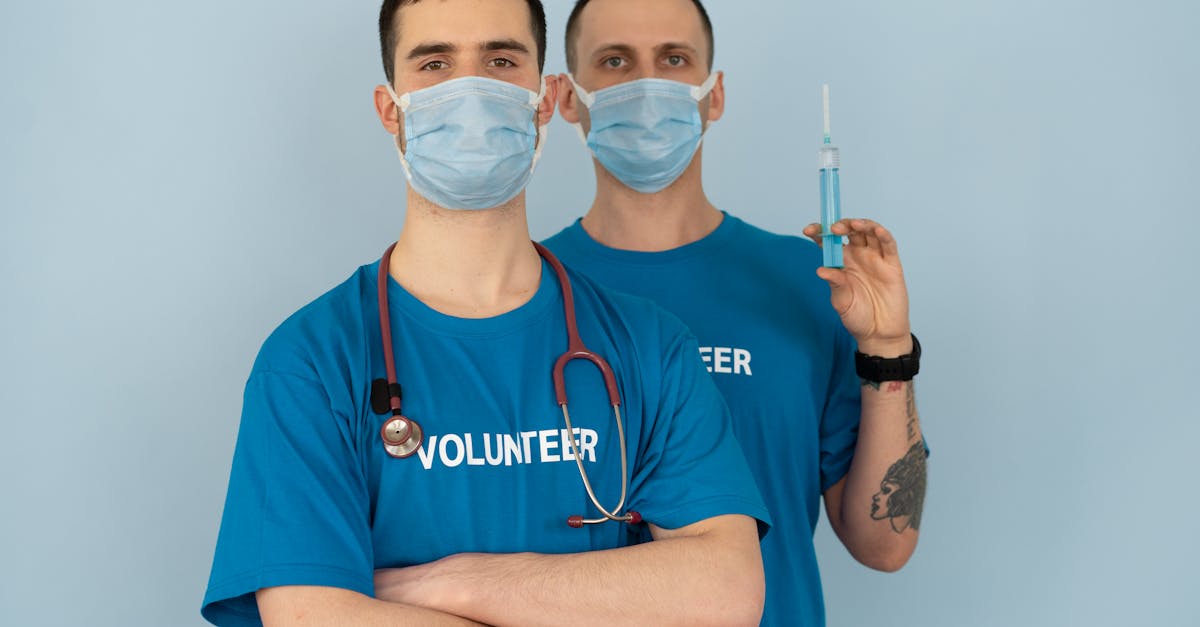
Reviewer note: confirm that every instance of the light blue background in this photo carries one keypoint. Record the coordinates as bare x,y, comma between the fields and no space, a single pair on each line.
177,177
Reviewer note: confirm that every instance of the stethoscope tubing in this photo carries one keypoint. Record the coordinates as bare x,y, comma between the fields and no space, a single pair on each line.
402,436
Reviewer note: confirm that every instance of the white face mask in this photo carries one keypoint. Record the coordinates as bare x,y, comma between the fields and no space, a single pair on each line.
471,142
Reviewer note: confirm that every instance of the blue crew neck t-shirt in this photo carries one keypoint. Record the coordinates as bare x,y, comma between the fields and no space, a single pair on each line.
781,357
314,499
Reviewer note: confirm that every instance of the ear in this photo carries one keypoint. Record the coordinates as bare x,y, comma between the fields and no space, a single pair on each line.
716,99
568,102
545,111
389,113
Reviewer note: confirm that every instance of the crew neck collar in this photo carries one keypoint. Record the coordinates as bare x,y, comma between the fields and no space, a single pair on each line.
704,246
404,304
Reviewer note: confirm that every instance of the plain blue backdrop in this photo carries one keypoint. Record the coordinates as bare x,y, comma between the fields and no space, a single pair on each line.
178,177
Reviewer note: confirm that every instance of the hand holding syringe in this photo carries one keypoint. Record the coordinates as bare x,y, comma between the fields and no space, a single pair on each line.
867,287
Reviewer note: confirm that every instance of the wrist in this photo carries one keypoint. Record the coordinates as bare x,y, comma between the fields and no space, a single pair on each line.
887,348
443,583
876,368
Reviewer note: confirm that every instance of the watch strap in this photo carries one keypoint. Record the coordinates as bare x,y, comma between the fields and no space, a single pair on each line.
880,369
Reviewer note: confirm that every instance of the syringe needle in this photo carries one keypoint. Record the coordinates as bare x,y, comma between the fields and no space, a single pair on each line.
825,99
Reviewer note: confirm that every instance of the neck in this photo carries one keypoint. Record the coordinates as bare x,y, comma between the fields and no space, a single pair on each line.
468,264
678,215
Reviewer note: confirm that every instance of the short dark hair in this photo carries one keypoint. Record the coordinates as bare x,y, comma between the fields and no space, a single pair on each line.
389,32
573,31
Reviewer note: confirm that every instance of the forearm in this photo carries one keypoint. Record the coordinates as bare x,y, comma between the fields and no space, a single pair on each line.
708,579
334,607
883,494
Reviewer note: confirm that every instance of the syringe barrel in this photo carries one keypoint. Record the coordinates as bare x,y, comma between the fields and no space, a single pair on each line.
829,157
831,205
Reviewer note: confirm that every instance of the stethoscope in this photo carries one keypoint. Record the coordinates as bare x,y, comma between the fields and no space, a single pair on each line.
402,436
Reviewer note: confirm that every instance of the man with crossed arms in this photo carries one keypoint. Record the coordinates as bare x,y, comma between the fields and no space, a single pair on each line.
322,526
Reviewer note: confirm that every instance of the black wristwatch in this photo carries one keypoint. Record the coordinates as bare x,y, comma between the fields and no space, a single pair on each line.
880,369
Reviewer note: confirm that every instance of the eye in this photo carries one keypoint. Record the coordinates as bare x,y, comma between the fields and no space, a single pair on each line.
887,489
614,62
676,60
502,62
434,66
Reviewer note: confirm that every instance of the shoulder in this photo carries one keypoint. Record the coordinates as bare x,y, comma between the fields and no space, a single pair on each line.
562,237
750,240
318,331
570,244
615,307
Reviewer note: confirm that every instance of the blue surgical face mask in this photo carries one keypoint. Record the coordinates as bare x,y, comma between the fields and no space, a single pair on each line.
645,132
471,142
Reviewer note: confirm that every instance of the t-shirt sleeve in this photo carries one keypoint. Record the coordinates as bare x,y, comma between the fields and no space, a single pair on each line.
296,512
843,408
692,467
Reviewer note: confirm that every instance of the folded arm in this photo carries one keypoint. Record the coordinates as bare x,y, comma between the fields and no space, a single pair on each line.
333,607
707,573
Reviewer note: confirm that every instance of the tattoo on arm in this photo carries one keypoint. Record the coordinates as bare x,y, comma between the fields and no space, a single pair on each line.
901,496
911,406
910,400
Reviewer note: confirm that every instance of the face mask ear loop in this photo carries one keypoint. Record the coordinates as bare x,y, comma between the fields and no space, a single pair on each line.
543,130
701,90
536,99
543,133
401,103
587,99
579,131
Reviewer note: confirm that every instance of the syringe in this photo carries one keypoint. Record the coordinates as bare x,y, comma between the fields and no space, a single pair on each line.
831,194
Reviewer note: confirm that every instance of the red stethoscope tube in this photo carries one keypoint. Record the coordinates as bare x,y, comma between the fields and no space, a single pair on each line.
402,436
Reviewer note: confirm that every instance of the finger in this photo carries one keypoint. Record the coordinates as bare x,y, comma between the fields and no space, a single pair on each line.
858,238
813,232
887,242
867,229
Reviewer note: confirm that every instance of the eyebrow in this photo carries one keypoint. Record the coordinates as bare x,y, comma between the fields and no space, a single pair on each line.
627,49
674,45
505,44
428,48
442,47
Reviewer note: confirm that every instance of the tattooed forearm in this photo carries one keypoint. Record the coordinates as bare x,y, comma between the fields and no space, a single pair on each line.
911,405
901,496
910,401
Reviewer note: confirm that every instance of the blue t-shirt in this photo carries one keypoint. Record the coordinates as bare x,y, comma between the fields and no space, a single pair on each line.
314,499
783,360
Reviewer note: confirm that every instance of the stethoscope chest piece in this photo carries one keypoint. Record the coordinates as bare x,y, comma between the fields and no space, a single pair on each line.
401,437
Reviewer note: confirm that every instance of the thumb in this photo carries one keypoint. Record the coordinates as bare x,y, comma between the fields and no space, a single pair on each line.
835,277
841,294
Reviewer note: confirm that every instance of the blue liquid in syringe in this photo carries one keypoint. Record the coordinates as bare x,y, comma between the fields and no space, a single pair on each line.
831,207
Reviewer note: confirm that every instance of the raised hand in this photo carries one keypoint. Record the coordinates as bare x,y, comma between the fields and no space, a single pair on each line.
869,292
